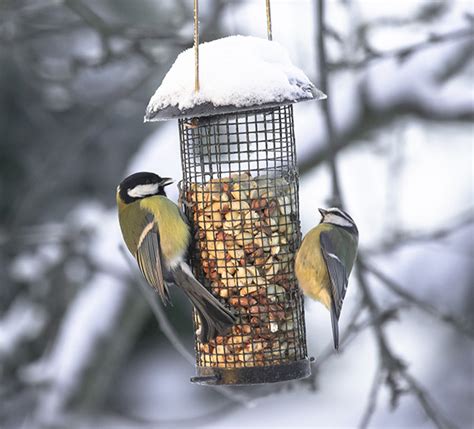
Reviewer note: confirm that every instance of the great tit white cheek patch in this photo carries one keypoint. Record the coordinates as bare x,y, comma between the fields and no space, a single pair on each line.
141,191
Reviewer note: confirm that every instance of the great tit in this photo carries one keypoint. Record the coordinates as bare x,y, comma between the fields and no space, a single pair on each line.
325,259
158,236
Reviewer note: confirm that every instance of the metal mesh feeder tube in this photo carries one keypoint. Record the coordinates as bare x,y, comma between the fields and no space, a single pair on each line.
240,186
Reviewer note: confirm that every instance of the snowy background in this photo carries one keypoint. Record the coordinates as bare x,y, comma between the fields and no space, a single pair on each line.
79,345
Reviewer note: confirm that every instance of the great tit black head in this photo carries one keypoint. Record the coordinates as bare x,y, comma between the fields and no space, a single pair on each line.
142,185
339,217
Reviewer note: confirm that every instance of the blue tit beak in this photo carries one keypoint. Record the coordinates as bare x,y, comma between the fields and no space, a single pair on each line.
323,212
165,181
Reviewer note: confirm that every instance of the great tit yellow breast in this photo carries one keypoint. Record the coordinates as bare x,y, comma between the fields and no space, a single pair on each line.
173,230
311,269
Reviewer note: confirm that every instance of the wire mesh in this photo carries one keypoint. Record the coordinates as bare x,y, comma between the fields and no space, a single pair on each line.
240,188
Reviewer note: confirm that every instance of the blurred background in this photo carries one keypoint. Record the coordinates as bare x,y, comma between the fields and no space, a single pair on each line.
79,343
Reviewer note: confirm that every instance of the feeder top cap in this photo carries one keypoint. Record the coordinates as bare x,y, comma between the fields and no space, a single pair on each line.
236,73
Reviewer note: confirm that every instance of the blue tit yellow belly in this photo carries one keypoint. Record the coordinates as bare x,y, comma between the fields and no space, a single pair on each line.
311,270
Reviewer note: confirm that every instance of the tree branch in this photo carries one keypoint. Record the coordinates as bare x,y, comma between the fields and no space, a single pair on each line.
372,399
461,326
394,368
403,238
323,83
402,54
372,119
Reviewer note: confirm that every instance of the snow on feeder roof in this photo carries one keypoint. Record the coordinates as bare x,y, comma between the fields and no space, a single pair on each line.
237,73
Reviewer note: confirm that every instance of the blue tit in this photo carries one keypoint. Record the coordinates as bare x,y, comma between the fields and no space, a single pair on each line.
158,236
325,260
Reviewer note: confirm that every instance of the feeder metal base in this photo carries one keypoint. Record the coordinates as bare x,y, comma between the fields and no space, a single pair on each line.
208,376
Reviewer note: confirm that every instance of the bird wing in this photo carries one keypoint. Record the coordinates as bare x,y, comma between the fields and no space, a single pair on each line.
149,257
337,271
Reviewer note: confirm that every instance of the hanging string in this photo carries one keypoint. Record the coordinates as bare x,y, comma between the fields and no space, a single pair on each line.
196,46
269,21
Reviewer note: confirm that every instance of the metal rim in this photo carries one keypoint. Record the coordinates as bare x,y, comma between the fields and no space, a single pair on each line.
209,109
250,376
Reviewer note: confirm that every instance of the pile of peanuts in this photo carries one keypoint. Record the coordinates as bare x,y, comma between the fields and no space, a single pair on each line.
246,237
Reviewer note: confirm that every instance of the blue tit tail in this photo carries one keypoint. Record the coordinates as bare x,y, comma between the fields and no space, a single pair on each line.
335,326
214,317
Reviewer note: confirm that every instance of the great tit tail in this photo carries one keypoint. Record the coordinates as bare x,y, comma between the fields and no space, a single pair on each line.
214,317
335,326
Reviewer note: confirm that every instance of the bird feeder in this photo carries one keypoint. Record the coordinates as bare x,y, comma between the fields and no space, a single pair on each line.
240,195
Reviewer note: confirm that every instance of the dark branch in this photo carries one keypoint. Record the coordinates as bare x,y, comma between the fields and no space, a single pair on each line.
461,326
403,53
403,238
372,119
372,399
394,368
323,83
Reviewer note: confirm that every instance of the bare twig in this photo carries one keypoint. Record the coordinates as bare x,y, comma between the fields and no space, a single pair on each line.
403,53
402,238
354,328
323,83
372,119
372,399
395,369
431,409
461,326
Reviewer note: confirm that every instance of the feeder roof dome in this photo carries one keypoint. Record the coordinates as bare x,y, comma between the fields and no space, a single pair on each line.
236,73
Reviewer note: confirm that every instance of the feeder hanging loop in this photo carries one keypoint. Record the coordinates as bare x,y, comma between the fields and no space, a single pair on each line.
269,21
196,46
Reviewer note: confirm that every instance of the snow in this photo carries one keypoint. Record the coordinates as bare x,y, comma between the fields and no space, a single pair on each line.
24,320
241,71
89,318
31,265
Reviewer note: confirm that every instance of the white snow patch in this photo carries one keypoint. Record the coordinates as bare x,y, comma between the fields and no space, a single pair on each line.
106,236
237,71
90,317
27,267
33,265
24,320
